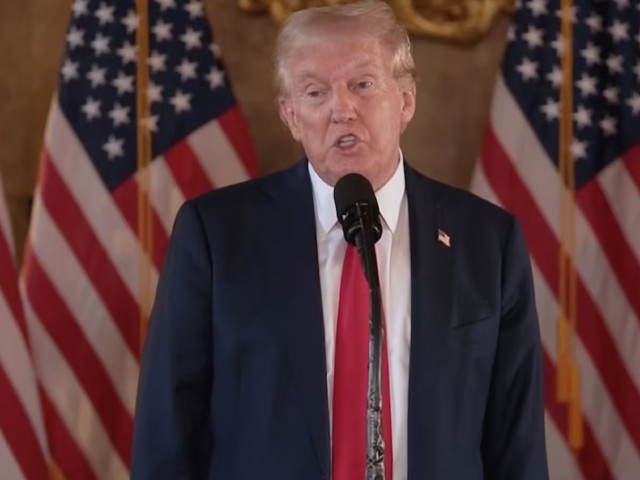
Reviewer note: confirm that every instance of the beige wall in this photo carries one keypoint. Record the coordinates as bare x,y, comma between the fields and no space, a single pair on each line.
443,140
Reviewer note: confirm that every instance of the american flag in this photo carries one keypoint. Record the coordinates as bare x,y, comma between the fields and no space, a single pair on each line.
23,447
83,266
519,170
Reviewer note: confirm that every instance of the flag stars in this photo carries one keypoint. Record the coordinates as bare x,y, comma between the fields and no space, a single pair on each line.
114,147
582,117
591,54
91,109
215,49
69,70
150,123
533,37
619,31
551,109
558,45
621,4
131,21
528,69
614,63
166,4
157,61
187,70
128,53
611,94
636,70
537,7
195,9
181,101
79,8
608,125
100,44
634,103
104,14
587,85
578,149
97,76
555,77
75,38
572,13
594,22
123,83
215,78
154,93
119,115
162,31
191,38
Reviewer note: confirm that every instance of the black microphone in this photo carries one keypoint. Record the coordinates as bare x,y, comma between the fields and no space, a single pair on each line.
359,215
357,207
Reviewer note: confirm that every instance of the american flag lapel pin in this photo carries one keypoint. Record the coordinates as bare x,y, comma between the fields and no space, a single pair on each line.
444,238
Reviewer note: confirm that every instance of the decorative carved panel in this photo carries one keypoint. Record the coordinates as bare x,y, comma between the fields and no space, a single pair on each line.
458,20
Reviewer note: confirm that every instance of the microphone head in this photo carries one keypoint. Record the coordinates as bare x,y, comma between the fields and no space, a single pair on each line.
357,207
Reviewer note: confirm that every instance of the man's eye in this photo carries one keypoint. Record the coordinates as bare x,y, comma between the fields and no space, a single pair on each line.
364,84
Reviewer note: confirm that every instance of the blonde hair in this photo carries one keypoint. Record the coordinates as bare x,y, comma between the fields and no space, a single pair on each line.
373,16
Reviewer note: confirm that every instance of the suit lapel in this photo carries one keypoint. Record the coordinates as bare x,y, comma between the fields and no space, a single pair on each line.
296,297
431,303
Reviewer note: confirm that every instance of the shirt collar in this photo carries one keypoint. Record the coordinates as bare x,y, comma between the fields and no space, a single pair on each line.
389,198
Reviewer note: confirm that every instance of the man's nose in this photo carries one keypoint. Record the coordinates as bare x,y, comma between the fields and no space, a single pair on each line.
342,107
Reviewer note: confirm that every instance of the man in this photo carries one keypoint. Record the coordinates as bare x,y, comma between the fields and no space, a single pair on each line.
240,372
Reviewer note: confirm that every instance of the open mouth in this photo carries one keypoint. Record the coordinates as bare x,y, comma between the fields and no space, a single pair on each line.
347,141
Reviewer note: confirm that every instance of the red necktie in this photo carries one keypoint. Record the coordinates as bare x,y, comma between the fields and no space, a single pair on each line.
350,378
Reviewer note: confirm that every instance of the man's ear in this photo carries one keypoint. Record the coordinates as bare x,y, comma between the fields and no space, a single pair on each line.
408,104
288,116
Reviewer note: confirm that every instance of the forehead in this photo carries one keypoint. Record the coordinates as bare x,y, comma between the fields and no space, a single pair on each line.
330,53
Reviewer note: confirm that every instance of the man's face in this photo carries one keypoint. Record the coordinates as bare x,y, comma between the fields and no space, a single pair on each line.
343,104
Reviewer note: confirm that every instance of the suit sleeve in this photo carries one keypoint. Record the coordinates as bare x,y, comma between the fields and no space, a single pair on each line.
513,443
172,438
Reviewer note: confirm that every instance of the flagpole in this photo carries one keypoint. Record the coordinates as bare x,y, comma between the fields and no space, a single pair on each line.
143,134
568,378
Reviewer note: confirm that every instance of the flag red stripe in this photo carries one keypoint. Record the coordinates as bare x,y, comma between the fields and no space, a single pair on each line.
63,448
598,212
90,253
235,129
543,245
126,197
9,286
631,160
65,332
590,458
186,170
19,433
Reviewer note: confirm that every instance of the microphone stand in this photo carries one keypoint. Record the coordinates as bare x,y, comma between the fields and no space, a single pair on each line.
365,244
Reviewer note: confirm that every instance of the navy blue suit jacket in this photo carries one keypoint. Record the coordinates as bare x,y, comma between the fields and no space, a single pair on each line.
233,377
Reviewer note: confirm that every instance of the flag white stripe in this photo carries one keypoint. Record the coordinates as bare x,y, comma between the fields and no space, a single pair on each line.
5,224
15,360
9,468
76,290
216,155
532,163
166,194
608,429
93,199
562,463
72,404
624,199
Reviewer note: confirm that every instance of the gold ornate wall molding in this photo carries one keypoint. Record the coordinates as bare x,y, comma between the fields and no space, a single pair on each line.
458,20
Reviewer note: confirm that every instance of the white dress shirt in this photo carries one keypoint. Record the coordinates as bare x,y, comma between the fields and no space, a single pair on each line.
394,267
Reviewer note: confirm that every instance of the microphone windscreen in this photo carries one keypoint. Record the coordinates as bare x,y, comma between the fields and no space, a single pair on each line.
351,189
